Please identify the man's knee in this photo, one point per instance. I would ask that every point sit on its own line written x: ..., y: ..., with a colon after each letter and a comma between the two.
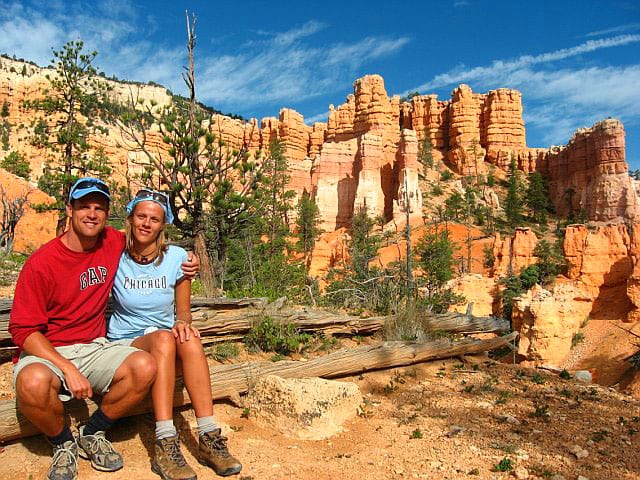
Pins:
x: 36, y: 382
x: 139, y: 367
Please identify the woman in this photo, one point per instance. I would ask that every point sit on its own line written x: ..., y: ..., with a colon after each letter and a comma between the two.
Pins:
x: 153, y: 313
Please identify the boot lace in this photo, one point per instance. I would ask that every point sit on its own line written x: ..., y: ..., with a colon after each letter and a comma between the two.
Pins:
x: 217, y: 443
x: 63, y: 457
x: 173, y: 450
x: 99, y: 444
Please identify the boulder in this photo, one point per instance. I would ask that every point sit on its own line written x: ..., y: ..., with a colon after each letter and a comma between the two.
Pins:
x: 476, y: 289
x: 305, y: 408
x: 547, y: 320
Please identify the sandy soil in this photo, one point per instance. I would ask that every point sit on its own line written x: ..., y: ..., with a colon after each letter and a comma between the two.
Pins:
x: 450, y: 419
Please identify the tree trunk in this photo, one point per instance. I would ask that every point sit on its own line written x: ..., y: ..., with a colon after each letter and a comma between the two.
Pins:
x: 231, y: 380
x: 206, y: 265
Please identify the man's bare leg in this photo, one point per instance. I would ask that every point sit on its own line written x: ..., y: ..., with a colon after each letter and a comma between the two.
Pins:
x: 37, y: 393
x: 130, y: 385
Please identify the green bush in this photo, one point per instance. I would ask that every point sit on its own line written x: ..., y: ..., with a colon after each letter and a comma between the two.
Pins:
x: 10, y: 266
x: 437, y: 190
x: 223, y: 351
x: 577, y: 339
x: 446, y: 175
x: 271, y: 336
x: 505, y: 465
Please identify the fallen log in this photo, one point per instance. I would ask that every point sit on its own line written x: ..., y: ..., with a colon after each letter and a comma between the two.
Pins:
x: 231, y: 380
x: 221, y: 319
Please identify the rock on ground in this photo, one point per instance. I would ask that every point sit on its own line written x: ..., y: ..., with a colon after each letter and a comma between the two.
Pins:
x: 307, y: 408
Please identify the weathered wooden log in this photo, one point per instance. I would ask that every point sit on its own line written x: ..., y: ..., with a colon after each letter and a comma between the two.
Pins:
x: 231, y: 380
x: 211, y: 305
x: 230, y: 319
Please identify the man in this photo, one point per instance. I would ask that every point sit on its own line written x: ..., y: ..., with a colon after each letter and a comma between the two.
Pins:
x: 58, y: 322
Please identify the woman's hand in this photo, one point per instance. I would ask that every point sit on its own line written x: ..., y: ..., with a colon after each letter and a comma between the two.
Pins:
x: 184, y: 331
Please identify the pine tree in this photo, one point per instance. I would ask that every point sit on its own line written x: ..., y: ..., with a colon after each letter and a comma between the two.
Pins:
x: 16, y: 164
x: 425, y: 152
x: 513, y: 202
x: 537, y: 198
x: 435, y: 259
x: 274, y: 198
x: 71, y: 107
x: 210, y: 184
x: 307, y: 224
x: 364, y: 244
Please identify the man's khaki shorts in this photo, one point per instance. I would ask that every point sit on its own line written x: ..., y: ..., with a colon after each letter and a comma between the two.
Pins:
x: 98, y: 361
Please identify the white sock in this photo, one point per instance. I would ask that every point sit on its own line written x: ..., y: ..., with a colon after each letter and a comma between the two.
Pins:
x: 206, y: 425
x: 165, y: 429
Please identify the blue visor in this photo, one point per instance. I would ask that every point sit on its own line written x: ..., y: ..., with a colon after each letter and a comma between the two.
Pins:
x: 153, y: 196
x: 85, y: 186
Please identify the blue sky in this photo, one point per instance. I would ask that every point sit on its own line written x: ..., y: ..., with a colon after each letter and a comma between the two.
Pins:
x: 575, y: 62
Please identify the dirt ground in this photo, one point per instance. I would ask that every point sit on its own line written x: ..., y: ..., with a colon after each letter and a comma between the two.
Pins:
x: 452, y: 419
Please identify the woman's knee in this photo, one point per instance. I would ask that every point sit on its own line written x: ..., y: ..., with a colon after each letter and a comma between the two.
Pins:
x: 190, y: 349
x: 163, y: 343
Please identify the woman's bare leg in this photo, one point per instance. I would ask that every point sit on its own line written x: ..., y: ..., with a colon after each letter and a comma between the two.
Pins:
x: 195, y: 372
x: 162, y: 346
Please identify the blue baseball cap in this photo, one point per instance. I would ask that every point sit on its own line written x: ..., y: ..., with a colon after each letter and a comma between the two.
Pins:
x: 160, y: 198
x: 87, y: 185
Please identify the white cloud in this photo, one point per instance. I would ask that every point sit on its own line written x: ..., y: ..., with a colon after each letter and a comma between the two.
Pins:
x: 320, y: 117
x: 557, y: 101
x: 500, y: 68
x: 290, y: 36
x: 284, y: 70
x: 618, y: 29
x: 271, y: 67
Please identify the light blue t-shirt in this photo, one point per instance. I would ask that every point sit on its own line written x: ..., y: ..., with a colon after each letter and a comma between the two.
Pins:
x: 144, y: 295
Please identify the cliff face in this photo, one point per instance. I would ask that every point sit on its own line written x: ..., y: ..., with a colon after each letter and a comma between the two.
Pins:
x: 367, y: 151
x: 590, y: 174
x: 364, y: 161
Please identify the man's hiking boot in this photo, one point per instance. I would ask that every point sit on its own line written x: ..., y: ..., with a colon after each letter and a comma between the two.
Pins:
x: 214, y: 453
x: 64, y: 465
x: 99, y: 451
x: 169, y: 462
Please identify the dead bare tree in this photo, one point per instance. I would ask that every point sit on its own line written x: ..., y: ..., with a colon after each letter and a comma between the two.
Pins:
x: 208, y: 181
x: 12, y: 212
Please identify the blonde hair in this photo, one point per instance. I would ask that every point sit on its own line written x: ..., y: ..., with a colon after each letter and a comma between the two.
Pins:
x: 161, y: 239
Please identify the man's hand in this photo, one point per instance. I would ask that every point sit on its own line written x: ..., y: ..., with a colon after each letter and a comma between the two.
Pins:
x: 191, y: 267
x: 77, y: 383
x: 36, y: 344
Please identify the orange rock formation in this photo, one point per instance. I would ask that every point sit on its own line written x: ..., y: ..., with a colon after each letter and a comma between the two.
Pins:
x: 34, y: 228
x: 590, y: 174
x: 367, y: 152
x: 513, y: 254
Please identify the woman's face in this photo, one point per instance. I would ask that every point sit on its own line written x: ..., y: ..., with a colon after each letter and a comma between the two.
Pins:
x: 147, y: 222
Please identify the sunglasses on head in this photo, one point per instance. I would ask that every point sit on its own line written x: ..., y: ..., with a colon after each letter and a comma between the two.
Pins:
x: 92, y: 183
x: 161, y: 198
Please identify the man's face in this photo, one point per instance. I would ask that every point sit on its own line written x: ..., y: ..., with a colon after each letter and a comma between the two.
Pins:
x: 89, y: 215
